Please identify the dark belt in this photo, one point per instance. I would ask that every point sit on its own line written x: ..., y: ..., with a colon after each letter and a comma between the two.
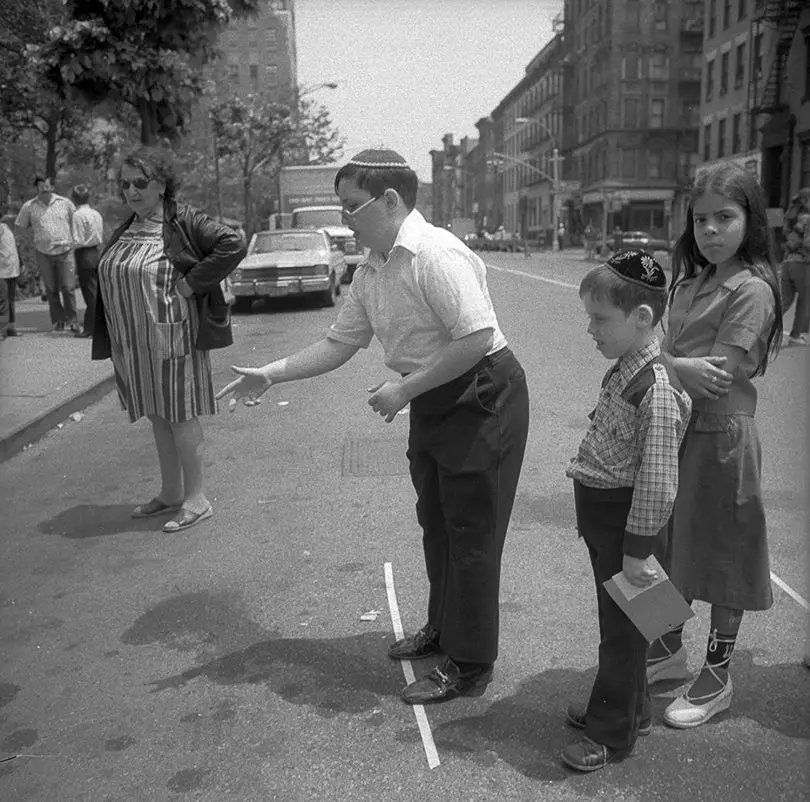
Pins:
x: 489, y: 361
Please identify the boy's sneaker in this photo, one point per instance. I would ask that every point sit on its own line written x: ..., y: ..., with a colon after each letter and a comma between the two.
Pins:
x: 669, y: 665
x: 575, y: 717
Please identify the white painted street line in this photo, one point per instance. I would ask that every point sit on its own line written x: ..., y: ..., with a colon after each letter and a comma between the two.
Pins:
x: 531, y: 275
x: 789, y: 590
x: 419, y: 710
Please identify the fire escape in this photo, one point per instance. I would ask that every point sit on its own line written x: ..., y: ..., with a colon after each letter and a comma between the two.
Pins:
x: 783, y: 15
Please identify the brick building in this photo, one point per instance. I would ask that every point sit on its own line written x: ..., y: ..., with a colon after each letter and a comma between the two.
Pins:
x: 632, y: 89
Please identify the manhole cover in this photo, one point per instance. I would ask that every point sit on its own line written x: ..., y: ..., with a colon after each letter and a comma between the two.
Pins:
x: 363, y: 457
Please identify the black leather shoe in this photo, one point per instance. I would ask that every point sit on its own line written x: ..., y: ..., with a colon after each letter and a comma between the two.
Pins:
x: 575, y: 717
x: 446, y: 682
x: 587, y: 755
x: 423, y: 644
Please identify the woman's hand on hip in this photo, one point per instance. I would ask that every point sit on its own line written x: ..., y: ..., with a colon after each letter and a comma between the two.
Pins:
x: 182, y: 287
x: 251, y: 385
x: 703, y: 376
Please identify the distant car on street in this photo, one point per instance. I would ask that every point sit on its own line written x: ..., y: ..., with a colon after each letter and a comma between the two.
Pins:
x: 641, y: 241
x: 288, y: 262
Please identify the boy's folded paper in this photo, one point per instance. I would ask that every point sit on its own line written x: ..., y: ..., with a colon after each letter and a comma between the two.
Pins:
x: 654, y: 610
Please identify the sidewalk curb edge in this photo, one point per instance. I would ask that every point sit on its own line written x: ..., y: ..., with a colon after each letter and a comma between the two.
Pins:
x: 29, y: 433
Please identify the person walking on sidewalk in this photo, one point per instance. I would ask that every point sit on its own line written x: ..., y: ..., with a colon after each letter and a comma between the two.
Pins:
x: 423, y: 294
x: 725, y: 324
x: 795, y: 269
x: 48, y: 220
x: 88, y: 234
x: 150, y: 276
x: 625, y: 481
x: 9, y: 272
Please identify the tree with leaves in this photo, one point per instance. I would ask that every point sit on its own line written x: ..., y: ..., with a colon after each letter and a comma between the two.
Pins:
x: 259, y: 136
x: 145, y: 53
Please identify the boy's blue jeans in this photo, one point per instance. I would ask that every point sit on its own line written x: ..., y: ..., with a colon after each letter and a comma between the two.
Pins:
x: 620, y: 698
x: 465, y: 450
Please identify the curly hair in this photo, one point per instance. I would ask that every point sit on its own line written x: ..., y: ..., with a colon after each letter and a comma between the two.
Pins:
x: 155, y: 164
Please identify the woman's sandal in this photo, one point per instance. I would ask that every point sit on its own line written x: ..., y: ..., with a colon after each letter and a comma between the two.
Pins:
x: 152, y: 508
x: 185, y: 519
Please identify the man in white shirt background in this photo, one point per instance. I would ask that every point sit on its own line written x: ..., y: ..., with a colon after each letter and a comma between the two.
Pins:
x: 47, y: 220
x: 88, y: 234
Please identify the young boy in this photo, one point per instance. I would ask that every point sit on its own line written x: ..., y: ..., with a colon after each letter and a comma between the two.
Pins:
x: 625, y: 481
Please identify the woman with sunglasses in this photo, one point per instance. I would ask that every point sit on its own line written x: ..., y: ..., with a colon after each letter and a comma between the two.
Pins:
x: 157, y: 265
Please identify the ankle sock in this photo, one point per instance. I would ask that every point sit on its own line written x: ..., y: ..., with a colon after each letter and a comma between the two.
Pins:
x: 713, y: 677
x: 720, y: 648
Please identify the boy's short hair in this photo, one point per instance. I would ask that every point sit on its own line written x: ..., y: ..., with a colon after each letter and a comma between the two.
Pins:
x: 378, y: 170
x: 628, y: 280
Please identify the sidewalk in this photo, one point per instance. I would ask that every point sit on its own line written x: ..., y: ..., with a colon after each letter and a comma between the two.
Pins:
x: 44, y: 377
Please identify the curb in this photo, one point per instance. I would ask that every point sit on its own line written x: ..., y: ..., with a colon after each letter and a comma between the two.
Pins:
x: 37, y: 428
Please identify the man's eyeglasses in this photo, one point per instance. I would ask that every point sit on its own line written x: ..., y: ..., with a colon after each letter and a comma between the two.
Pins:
x: 138, y: 183
x: 351, y: 214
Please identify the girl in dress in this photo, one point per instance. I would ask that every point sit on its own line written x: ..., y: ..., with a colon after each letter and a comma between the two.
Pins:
x: 725, y: 324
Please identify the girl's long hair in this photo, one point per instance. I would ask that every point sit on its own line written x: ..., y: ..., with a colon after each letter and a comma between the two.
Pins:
x: 756, y: 251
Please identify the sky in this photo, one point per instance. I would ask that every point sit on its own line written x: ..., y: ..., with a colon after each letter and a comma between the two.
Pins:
x: 410, y: 71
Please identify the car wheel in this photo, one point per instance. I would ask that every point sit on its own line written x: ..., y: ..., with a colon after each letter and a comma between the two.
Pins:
x: 241, y: 306
x: 329, y: 297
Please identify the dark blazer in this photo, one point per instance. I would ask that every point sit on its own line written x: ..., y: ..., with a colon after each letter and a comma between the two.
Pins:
x: 199, y: 247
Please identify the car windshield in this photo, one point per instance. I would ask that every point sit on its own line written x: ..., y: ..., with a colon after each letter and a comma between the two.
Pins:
x: 272, y: 243
x: 317, y: 218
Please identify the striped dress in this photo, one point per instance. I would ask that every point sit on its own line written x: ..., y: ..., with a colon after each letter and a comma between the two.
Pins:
x: 152, y: 328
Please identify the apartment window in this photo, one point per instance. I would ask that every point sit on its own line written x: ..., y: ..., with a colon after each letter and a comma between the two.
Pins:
x: 655, y: 161
x: 721, y: 139
x: 712, y: 18
x: 657, y: 109
x: 272, y: 37
x: 804, y: 164
x: 757, y: 65
x: 742, y: 9
x: 659, y: 66
x: 736, y: 133
x: 233, y: 74
x: 726, y: 14
x: 630, y: 67
x: 707, y: 142
x: 631, y: 112
x: 709, y: 79
x: 739, y: 72
x: 690, y: 114
x: 633, y: 16
x: 660, y: 15
x: 271, y: 71
x: 254, y: 77
x: 628, y: 163
x: 724, y: 62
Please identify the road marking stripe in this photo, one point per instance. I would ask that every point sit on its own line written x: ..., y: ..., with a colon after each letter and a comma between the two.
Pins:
x: 789, y: 590
x: 531, y: 275
x: 419, y: 710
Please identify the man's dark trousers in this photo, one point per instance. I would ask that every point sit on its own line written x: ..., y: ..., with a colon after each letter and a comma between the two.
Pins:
x: 87, y: 271
x: 620, y: 698
x: 465, y: 450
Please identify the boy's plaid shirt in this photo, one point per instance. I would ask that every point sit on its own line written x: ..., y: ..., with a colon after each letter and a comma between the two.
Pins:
x: 634, y: 447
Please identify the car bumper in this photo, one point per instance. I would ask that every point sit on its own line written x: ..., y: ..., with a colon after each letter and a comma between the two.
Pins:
x: 273, y: 289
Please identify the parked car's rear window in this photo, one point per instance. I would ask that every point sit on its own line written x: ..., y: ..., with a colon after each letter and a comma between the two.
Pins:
x: 271, y: 243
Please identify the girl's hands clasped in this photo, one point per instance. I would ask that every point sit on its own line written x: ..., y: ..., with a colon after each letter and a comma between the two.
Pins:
x: 704, y: 377
x: 251, y: 385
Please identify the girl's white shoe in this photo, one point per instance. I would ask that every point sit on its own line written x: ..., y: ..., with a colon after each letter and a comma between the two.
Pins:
x: 692, y: 711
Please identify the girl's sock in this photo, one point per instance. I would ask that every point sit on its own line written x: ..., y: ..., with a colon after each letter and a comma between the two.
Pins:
x: 713, y: 677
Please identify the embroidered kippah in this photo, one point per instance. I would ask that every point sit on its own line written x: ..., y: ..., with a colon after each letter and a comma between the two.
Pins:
x: 639, y: 268
x: 379, y: 158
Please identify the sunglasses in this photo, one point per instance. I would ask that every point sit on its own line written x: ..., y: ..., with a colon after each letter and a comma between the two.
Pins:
x: 138, y: 183
x: 351, y: 214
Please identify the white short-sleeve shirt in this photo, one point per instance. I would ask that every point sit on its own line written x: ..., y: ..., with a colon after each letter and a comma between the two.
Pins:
x: 431, y: 290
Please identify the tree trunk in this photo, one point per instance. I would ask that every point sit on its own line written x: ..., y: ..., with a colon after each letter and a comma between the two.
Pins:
x: 51, y: 138
x: 246, y: 202
x: 149, y: 125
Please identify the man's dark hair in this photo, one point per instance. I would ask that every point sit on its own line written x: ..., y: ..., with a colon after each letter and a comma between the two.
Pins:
x: 38, y: 179
x: 80, y: 194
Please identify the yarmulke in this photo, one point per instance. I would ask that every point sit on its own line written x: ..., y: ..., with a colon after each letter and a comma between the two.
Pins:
x: 379, y: 158
x: 639, y: 268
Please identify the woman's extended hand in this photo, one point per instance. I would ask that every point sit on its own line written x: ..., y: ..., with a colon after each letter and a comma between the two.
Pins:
x: 703, y: 376
x: 251, y: 385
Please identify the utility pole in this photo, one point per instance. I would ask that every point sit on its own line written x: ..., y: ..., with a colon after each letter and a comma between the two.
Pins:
x: 555, y: 203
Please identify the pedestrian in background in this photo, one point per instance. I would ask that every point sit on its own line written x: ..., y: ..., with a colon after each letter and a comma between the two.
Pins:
x: 154, y: 275
x: 423, y: 294
x: 795, y: 269
x: 47, y: 220
x: 561, y: 235
x: 88, y: 235
x: 725, y: 322
x: 625, y: 481
x: 9, y: 272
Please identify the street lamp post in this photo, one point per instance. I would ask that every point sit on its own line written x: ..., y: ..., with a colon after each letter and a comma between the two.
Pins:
x: 555, y: 179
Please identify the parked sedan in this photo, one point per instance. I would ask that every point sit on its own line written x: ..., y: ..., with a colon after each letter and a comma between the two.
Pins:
x: 641, y: 241
x: 289, y: 262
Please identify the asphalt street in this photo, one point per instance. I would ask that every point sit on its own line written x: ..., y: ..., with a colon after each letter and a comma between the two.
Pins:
x: 232, y: 662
